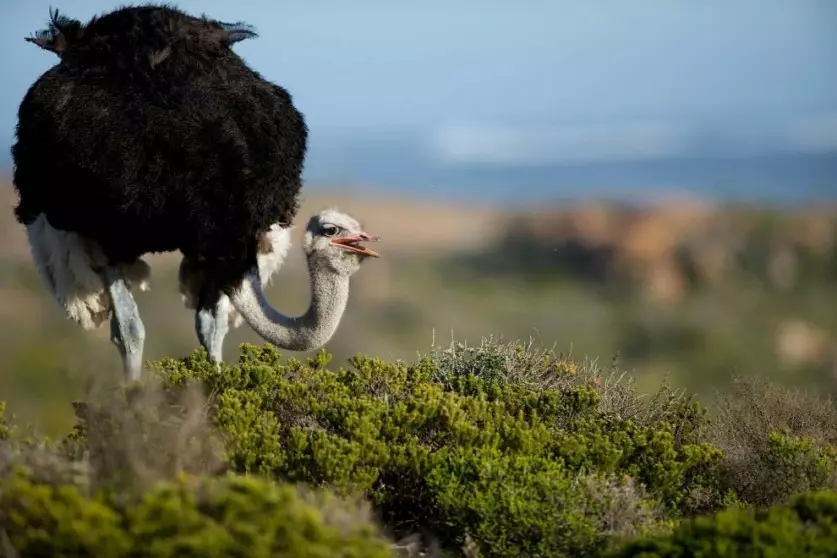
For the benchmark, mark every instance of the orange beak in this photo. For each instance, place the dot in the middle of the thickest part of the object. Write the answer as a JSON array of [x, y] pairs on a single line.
[[351, 243]]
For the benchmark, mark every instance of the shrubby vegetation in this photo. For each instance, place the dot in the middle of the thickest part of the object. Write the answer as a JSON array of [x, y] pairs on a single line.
[[493, 450], [807, 526]]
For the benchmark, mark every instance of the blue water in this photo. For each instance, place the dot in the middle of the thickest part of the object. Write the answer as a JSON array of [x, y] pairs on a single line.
[[783, 178], [770, 178]]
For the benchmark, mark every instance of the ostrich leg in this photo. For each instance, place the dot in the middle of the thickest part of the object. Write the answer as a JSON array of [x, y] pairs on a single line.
[[212, 320], [126, 328]]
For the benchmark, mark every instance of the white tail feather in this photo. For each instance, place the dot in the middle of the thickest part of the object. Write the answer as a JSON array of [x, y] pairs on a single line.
[[67, 263]]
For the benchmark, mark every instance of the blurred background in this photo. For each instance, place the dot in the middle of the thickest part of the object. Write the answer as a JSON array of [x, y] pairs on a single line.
[[648, 181]]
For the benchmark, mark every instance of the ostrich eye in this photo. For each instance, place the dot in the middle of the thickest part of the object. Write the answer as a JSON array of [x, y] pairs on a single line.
[[330, 230]]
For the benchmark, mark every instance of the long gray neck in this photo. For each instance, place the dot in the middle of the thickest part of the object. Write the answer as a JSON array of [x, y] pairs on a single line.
[[312, 330]]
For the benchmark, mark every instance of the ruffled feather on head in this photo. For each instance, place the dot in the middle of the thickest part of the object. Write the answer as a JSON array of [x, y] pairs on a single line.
[[60, 33], [156, 27]]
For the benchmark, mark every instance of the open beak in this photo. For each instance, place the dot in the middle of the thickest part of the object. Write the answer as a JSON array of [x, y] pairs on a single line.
[[351, 243]]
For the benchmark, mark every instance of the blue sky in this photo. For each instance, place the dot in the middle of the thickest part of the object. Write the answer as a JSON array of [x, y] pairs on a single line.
[[487, 80]]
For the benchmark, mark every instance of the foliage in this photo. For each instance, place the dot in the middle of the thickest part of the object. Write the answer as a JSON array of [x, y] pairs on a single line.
[[777, 442], [5, 428], [228, 516], [499, 449], [467, 451], [805, 527]]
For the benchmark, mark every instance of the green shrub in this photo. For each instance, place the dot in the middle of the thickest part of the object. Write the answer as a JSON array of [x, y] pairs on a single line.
[[805, 527], [472, 455], [521, 506], [493, 450], [138, 477], [228, 516]]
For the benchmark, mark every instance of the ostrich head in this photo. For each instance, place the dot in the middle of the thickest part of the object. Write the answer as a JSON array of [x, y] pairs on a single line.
[[332, 240], [332, 246]]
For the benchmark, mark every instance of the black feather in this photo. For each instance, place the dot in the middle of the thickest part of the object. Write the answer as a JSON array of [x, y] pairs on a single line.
[[152, 135], [60, 33], [238, 31]]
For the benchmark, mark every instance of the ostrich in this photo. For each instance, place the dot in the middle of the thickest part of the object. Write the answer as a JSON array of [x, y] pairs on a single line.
[[151, 135]]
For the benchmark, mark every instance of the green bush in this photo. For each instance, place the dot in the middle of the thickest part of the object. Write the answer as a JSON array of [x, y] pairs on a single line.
[[139, 477], [227, 516], [805, 527], [493, 450], [472, 456]]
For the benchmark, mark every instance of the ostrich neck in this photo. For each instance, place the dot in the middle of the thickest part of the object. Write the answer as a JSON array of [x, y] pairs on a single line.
[[312, 330]]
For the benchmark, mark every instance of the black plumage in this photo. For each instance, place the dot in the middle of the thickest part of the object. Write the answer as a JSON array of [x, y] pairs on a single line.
[[152, 135]]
